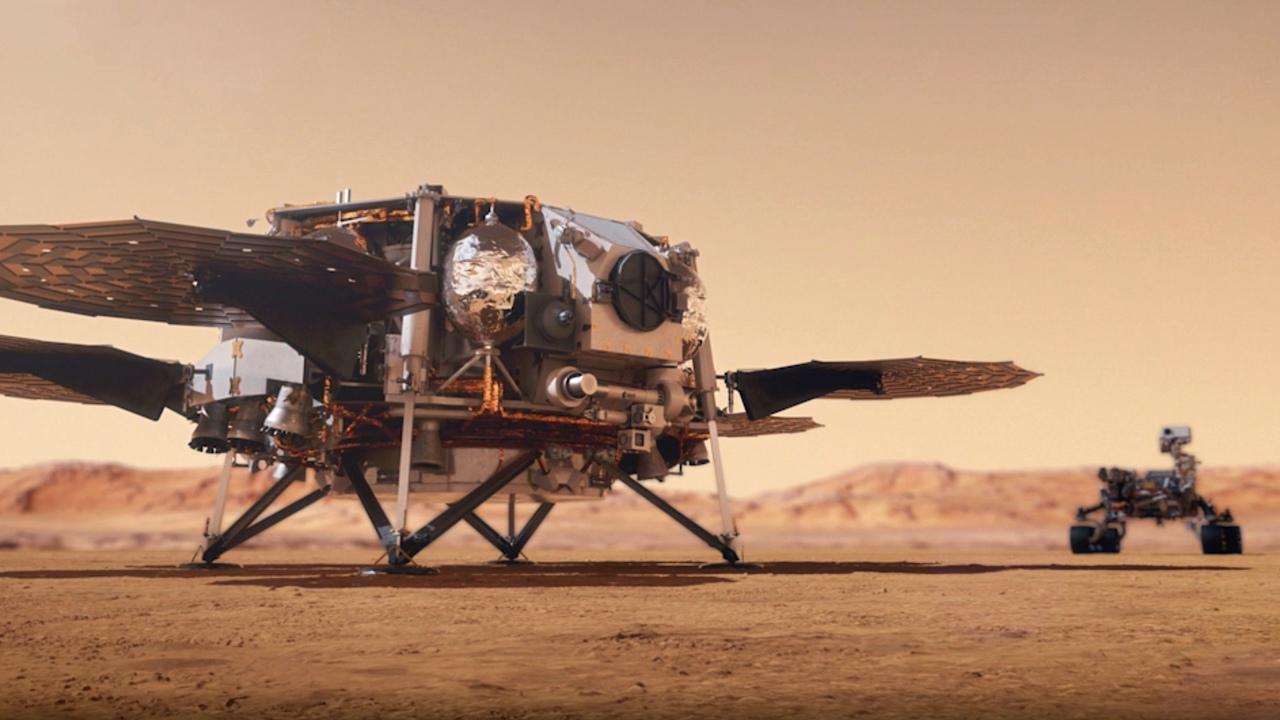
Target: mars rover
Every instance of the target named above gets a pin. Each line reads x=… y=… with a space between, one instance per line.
x=1160 y=494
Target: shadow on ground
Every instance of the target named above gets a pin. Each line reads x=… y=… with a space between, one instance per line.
x=572 y=574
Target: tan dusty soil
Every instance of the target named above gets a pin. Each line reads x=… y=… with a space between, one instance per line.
x=819 y=634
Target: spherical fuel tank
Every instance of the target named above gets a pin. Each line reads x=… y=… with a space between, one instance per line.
x=485 y=271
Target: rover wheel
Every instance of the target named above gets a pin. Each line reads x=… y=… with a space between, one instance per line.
x=1110 y=542
x=1221 y=539
x=1080 y=535
x=1232 y=539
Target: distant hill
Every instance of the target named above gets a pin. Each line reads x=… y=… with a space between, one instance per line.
x=83 y=506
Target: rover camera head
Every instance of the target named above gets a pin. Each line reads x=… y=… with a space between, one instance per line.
x=1174 y=435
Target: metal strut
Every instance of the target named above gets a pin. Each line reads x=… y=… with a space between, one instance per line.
x=511 y=546
x=458 y=511
x=531 y=526
x=387 y=534
x=245 y=526
x=717 y=542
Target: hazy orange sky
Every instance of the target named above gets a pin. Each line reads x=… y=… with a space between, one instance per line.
x=1087 y=188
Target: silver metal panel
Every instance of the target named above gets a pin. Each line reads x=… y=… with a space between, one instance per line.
x=609 y=335
x=613 y=231
x=243 y=367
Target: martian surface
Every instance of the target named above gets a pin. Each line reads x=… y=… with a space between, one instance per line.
x=899 y=591
x=884 y=633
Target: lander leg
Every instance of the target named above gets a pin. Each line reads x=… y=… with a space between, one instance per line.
x=486 y=531
x=530 y=527
x=213 y=524
x=511 y=518
x=402 y=549
x=465 y=506
x=716 y=542
x=248 y=525
x=415 y=349
x=729 y=533
x=386 y=532
x=511 y=546
x=727 y=543
x=406 y=466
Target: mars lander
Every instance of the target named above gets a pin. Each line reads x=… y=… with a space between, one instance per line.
x=462 y=349
x=1158 y=494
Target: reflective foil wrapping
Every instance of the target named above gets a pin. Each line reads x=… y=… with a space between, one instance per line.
x=694 y=321
x=485 y=271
